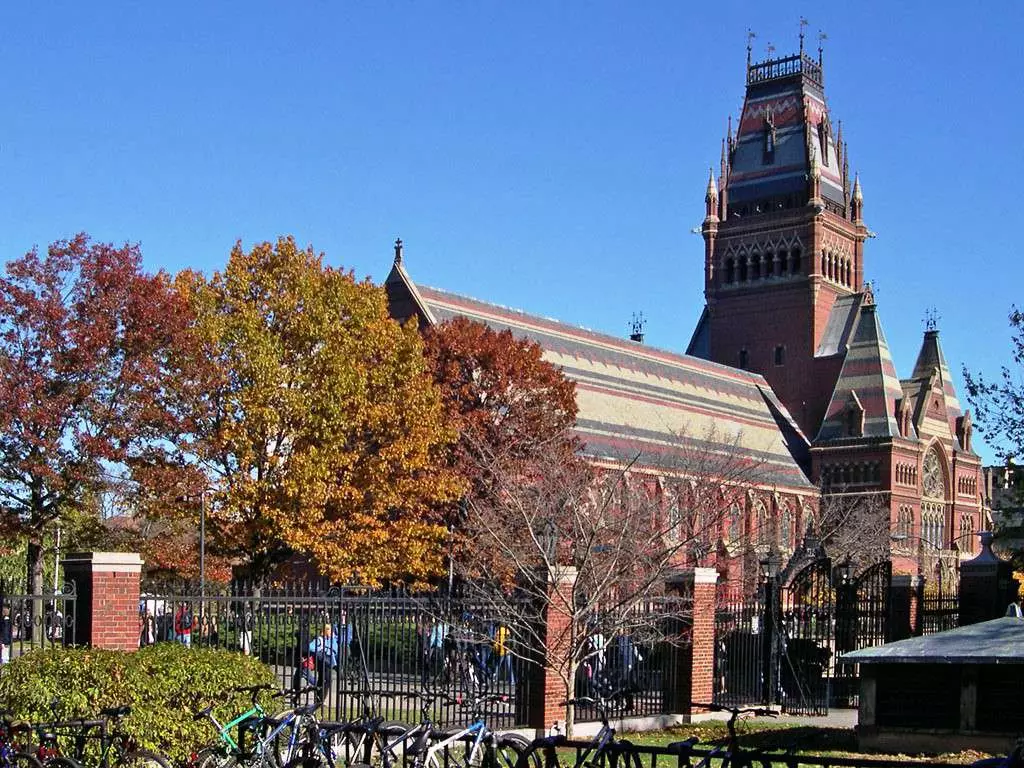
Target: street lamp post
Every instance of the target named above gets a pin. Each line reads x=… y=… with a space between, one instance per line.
x=202 y=548
x=770 y=565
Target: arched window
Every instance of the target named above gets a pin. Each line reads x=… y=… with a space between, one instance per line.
x=794 y=259
x=783 y=258
x=787 y=536
x=730 y=270
x=755 y=266
x=743 y=269
x=735 y=525
x=763 y=533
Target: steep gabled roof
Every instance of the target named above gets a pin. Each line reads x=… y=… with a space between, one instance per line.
x=868 y=379
x=638 y=400
x=931 y=391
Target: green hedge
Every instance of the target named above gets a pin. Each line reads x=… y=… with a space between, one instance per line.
x=163 y=683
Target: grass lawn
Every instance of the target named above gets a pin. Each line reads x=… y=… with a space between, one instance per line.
x=767 y=735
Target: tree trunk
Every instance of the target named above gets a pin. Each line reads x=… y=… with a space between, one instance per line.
x=570 y=709
x=34 y=562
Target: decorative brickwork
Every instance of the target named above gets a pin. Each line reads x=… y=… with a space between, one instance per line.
x=107 y=584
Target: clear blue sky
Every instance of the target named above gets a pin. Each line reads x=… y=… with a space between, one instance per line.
x=551 y=156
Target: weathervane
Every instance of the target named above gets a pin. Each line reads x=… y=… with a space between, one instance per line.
x=822 y=37
x=636 y=327
x=803 y=23
x=398 y=250
x=750 y=42
x=771 y=50
x=931 y=319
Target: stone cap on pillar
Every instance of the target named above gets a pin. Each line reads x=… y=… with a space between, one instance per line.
x=686 y=576
x=106 y=562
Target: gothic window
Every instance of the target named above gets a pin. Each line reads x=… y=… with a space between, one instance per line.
x=743 y=269
x=675 y=516
x=783 y=258
x=786 y=534
x=735 y=529
x=780 y=355
x=730 y=270
x=966 y=542
x=744 y=359
x=755 y=267
x=764 y=528
x=794 y=255
x=933 y=503
x=824 y=268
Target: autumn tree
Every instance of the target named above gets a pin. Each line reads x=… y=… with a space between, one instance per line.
x=319 y=430
x=596 y=545
x=86 y=340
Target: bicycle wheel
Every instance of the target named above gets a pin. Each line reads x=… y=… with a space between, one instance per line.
x=370 y=748
x=61 y=762
x=511 y=748
x=24 y=760
x=142 y=758
x=623 y=755
x=213 y=757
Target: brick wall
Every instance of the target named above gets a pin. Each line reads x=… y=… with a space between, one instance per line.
x=107 y=585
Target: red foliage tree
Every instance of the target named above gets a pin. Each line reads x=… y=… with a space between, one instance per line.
x=86 y=337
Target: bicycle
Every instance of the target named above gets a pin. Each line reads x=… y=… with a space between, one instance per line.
x=475 y=745
x=117 y=748
x=733 y=756
x=602 y=751
x=276 y=740
x=11 y=756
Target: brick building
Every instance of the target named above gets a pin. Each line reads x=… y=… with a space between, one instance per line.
x=784 y=270
x=789 y=352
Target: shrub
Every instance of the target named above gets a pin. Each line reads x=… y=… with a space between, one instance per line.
x=163 y=683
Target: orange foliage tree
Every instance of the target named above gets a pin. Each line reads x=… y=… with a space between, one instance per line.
x=318 y=430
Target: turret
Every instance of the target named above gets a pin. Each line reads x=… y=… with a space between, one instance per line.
x=857 y=202
x=711 y=198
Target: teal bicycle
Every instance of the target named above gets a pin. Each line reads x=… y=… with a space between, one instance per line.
x=254 y=739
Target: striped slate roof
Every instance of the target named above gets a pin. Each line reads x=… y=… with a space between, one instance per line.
x=796 y=106
x=637 y=400
x=930 y=359
x=867 y=382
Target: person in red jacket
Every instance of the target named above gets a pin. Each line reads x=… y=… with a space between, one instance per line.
x=183 y=624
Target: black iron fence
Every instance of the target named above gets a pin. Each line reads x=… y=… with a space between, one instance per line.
x=354 y=645
x=646 y=658
x=29 y=621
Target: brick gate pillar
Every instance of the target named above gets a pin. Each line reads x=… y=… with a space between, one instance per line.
x=548 y=690
x=107 y=598
x=692 y=676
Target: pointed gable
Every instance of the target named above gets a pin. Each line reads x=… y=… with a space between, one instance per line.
x=865 y=395
x=930 y=388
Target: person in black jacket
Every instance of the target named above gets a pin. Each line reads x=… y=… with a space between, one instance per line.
x=6 y=634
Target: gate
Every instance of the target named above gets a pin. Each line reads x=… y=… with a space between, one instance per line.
x=739 y=646
x=863 y=614
x=806 y=636
x=39 y=620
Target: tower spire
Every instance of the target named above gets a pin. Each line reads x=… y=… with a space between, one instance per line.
x=858 y=201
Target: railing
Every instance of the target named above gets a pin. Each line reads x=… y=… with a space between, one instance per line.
x=37 y=620
x=686 y=755
x=773 y=69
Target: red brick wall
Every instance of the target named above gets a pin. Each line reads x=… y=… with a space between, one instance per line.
x=107 y=610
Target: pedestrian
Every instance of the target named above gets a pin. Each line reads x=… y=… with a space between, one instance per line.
x=243 y=621
x=183 y=625
x=500 y=651
x=147 y=629
x=324 y=649
x=6 y=634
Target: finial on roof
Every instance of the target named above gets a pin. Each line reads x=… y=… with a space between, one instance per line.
x=712 y=189
x=398 y=250
x=750 y=37
x=869 y=294
x=857 y=194
x=721 y=171
x=931 y=319
x=636 y=327
x=822 y=37
x=803 y=23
